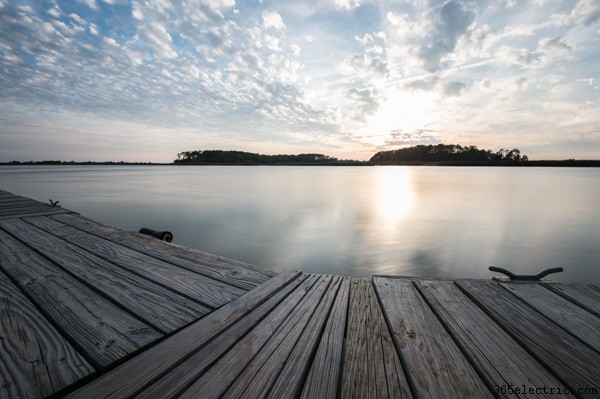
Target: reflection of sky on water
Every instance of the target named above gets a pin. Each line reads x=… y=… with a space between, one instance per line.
x=419 y=221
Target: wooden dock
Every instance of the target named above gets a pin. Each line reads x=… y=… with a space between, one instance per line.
x=92 y=311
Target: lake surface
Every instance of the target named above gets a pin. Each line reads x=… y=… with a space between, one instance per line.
x=423 y=221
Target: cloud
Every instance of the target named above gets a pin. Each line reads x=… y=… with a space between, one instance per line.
x=421 y=84
x=454 y=89
x=401 y=138
x=585 y=12
x=518 y=56
x=347 y=4
x=159 y=40
x=202 y=67
x=554 y=49
x=366 y=102
x=369 y=67
x=90 y=3
x=407 y=27
x=451 y=22
x=521 y=83
x=366 y=40
x=271 y=19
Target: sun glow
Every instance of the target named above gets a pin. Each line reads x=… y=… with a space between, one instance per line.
x=403 y=111
x=394 y=194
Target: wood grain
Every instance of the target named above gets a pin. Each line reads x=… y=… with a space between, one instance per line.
x=291 y=378
x=232 y=363
x=17 y=203
x=207 y=291
x=501 y=361
x=126 y=380
x=437 y=367
x=258 y=376
x=102 y=331
x=586 y=296
x=325 y=372
x=49 y=211
x=570 y=359
x=227 y=354
x=226 y=270
x=35 y=360
x=574 y=319
x=156 y=305
x=372 y=367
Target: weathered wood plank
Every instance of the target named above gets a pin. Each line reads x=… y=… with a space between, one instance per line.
x=576 y=320
x=586 y=296
x=359 y=374
x=35 y=360
x=324 y=375
x=291 y=378
x=10 y=203
x=501 y=361
x=225 y=361
x=126 y=380
x=258 y=376
x=211 y=293
x=396 y=382
x=228 y=271
x=103 y=332
x=12 y=197
x=154 y=304
x=50 y=211
x=27 y=209
x=436 y=365
x=571 y=361
x=372 y=368
x=8 y=196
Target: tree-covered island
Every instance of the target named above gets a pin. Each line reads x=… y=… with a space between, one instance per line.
x=447 y=153
x=421 y=154
x=249 y=158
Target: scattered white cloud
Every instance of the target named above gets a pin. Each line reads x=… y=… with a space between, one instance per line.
x=54 y=11
x=339 y=73
x=366 y=102
x=271 y=19
x=347 y=4
x=90 y=3
x=518 y=56
x=157 y=37
x=554 y=48
x=585 y=12
x=369 y=67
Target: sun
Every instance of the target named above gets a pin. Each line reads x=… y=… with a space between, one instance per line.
x=403 y=111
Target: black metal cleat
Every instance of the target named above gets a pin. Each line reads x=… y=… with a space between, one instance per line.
x=525 y=277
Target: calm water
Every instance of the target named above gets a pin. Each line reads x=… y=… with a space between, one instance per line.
x=358 y=221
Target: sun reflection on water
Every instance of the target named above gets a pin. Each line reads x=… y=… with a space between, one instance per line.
x=394 y=194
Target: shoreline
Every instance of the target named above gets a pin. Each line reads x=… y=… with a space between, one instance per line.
x=534 y=163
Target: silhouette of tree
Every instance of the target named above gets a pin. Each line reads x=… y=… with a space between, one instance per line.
x=447 y=153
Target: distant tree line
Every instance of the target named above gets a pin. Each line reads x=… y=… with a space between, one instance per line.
x=440 y=154
x=52 y=162
x=248 y=158
x=447 y=153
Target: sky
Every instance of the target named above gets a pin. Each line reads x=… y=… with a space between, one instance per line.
x=144 y=80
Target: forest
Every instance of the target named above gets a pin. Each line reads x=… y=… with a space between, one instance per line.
x=248 y=158
x=417 y=154
x=447 y=153
x=439 y=154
